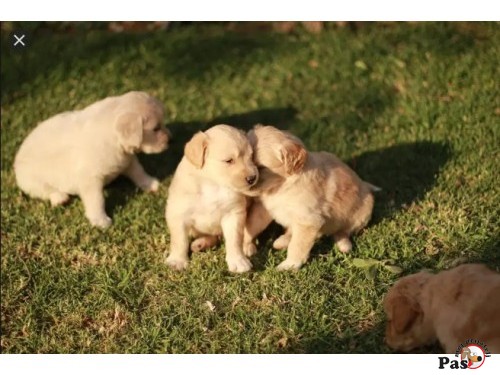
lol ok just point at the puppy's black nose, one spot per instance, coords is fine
(251, 179)
(479, 358)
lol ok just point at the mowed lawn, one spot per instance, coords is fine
(413, 108)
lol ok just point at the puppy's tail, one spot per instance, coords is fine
(373, 188)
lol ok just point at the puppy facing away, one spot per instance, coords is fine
(451, 307)
(309, 193)
(79, 152)
(206, 197)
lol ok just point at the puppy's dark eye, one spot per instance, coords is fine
(229, 161)
(156, 128)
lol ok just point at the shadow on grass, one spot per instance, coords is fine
(488, 252)
(196, 52)
(351, 117)
(474, 251)
(348, 341)
(368, 102)
(198, 58)
(164, 164)
(405, 172)
(352, 342)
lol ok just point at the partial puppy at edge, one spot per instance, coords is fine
(449, 307)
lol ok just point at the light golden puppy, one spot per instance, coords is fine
(206, 197)
(309, 193)
(451, 307)
(79, 152)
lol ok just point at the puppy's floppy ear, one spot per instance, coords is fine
(129, 128)
(403, 314)
(196, 148)
(294, 156)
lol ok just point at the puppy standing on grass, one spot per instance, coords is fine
(451, 306)
(205, 198)
(308, 193)
(79, 152)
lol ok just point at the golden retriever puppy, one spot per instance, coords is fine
(206, 197)
(79, 152)
(309, 193)
(451, 307)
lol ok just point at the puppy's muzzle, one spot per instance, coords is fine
(251, 179)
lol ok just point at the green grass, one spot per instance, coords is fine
(414, 108)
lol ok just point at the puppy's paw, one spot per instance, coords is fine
(203, 243)
(238, 264)
(344, 244)
(102, 222)
(198, 245)
(249, 249)
(58, 198)
(281, 242)
(289, 265)
(151, 186)
(176, 263)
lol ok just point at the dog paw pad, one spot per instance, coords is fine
(101, 222)
(239, 265)
(177, 264)
(289, 265)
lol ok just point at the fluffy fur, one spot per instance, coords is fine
(451, 307)
(309, 193)
(206, 197)
(79, 152)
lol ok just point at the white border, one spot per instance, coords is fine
(233, 364)
(249, 10)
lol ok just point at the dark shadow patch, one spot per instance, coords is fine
(487, 253)
(352, 341)
(473, 251)
(369, 102)
(265, 246)
(198, 58)
(355, 112)
(349, 341)
(175, 52)
(118, 193)
(322, 247)
(405, 172)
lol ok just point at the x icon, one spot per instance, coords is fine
(19, 40)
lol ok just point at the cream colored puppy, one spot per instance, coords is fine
(451, 307)
(206, 197)
(309, 193)
(79, 152)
